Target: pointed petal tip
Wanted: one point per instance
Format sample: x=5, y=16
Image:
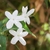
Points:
x=24, y=44
x=7, y=27
x=33, y=10
x=14, y=40
x=10, y=30
x=16, y=11
x=12, y=43
x=26, y=7
x=9, y=24
x=6, y=12
x=28, y=23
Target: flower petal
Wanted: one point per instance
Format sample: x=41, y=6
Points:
x=19, y=31
x=14, y=33
x=23, y=34
x=18, y=24
x=22, y=41
x=20, y=18
x=8, y=15
x=30, y=12
x=28, y=20
x=15, y=13
x=9, y=24
x=14, y=40
x=24, y=9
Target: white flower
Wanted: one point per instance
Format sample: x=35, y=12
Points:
x=18, y=36
x=13, y=19
x=26, y=14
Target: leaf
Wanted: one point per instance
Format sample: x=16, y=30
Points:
x=26, y=28
x=46, y=3
x=2, y=25
x=5, y=20
x=42, y=32
x=45, y=26
x=36, y=16
x=2, y=42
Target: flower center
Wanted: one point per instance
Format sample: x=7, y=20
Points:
x=18, y=34
x=13, y=19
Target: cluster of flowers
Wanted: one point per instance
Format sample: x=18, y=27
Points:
x=14, y=18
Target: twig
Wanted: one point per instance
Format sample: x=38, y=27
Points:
x=35, y=31
x=10, y=4
x=17, y=47
x=33, y=25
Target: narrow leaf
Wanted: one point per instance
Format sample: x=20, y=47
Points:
x=26, y=28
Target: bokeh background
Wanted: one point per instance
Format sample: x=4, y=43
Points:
x=39, y=22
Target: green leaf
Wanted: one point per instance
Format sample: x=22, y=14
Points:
x=42, y=32
x=2, y=42
x=36, y=16
x=45, y=26
x=4, y=20
x=26, y=28
x=2, y=25
x=46, y=3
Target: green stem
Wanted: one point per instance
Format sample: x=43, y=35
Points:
x=17, y=47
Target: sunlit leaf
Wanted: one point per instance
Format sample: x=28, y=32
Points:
x=45, y=26
x=42, y=32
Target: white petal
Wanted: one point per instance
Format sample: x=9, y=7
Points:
x=15, y=13
x=23, y=34
x=18, y=24
x=30, y=12
x=19, y=30
x=8, y=15
x=9, y=24
x=28, y=20
x=14, y=40
x=22, y=41
x=20, y=18
x=14, y=33
x=24, y=9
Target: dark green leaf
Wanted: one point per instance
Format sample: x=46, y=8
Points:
x=2, y=42
x=36, y=16
x=46, y=3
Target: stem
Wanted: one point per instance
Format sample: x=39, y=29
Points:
x=17, y=47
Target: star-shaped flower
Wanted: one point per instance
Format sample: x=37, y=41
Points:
x=13, y=19
x=18, y=36
x=26, y=14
